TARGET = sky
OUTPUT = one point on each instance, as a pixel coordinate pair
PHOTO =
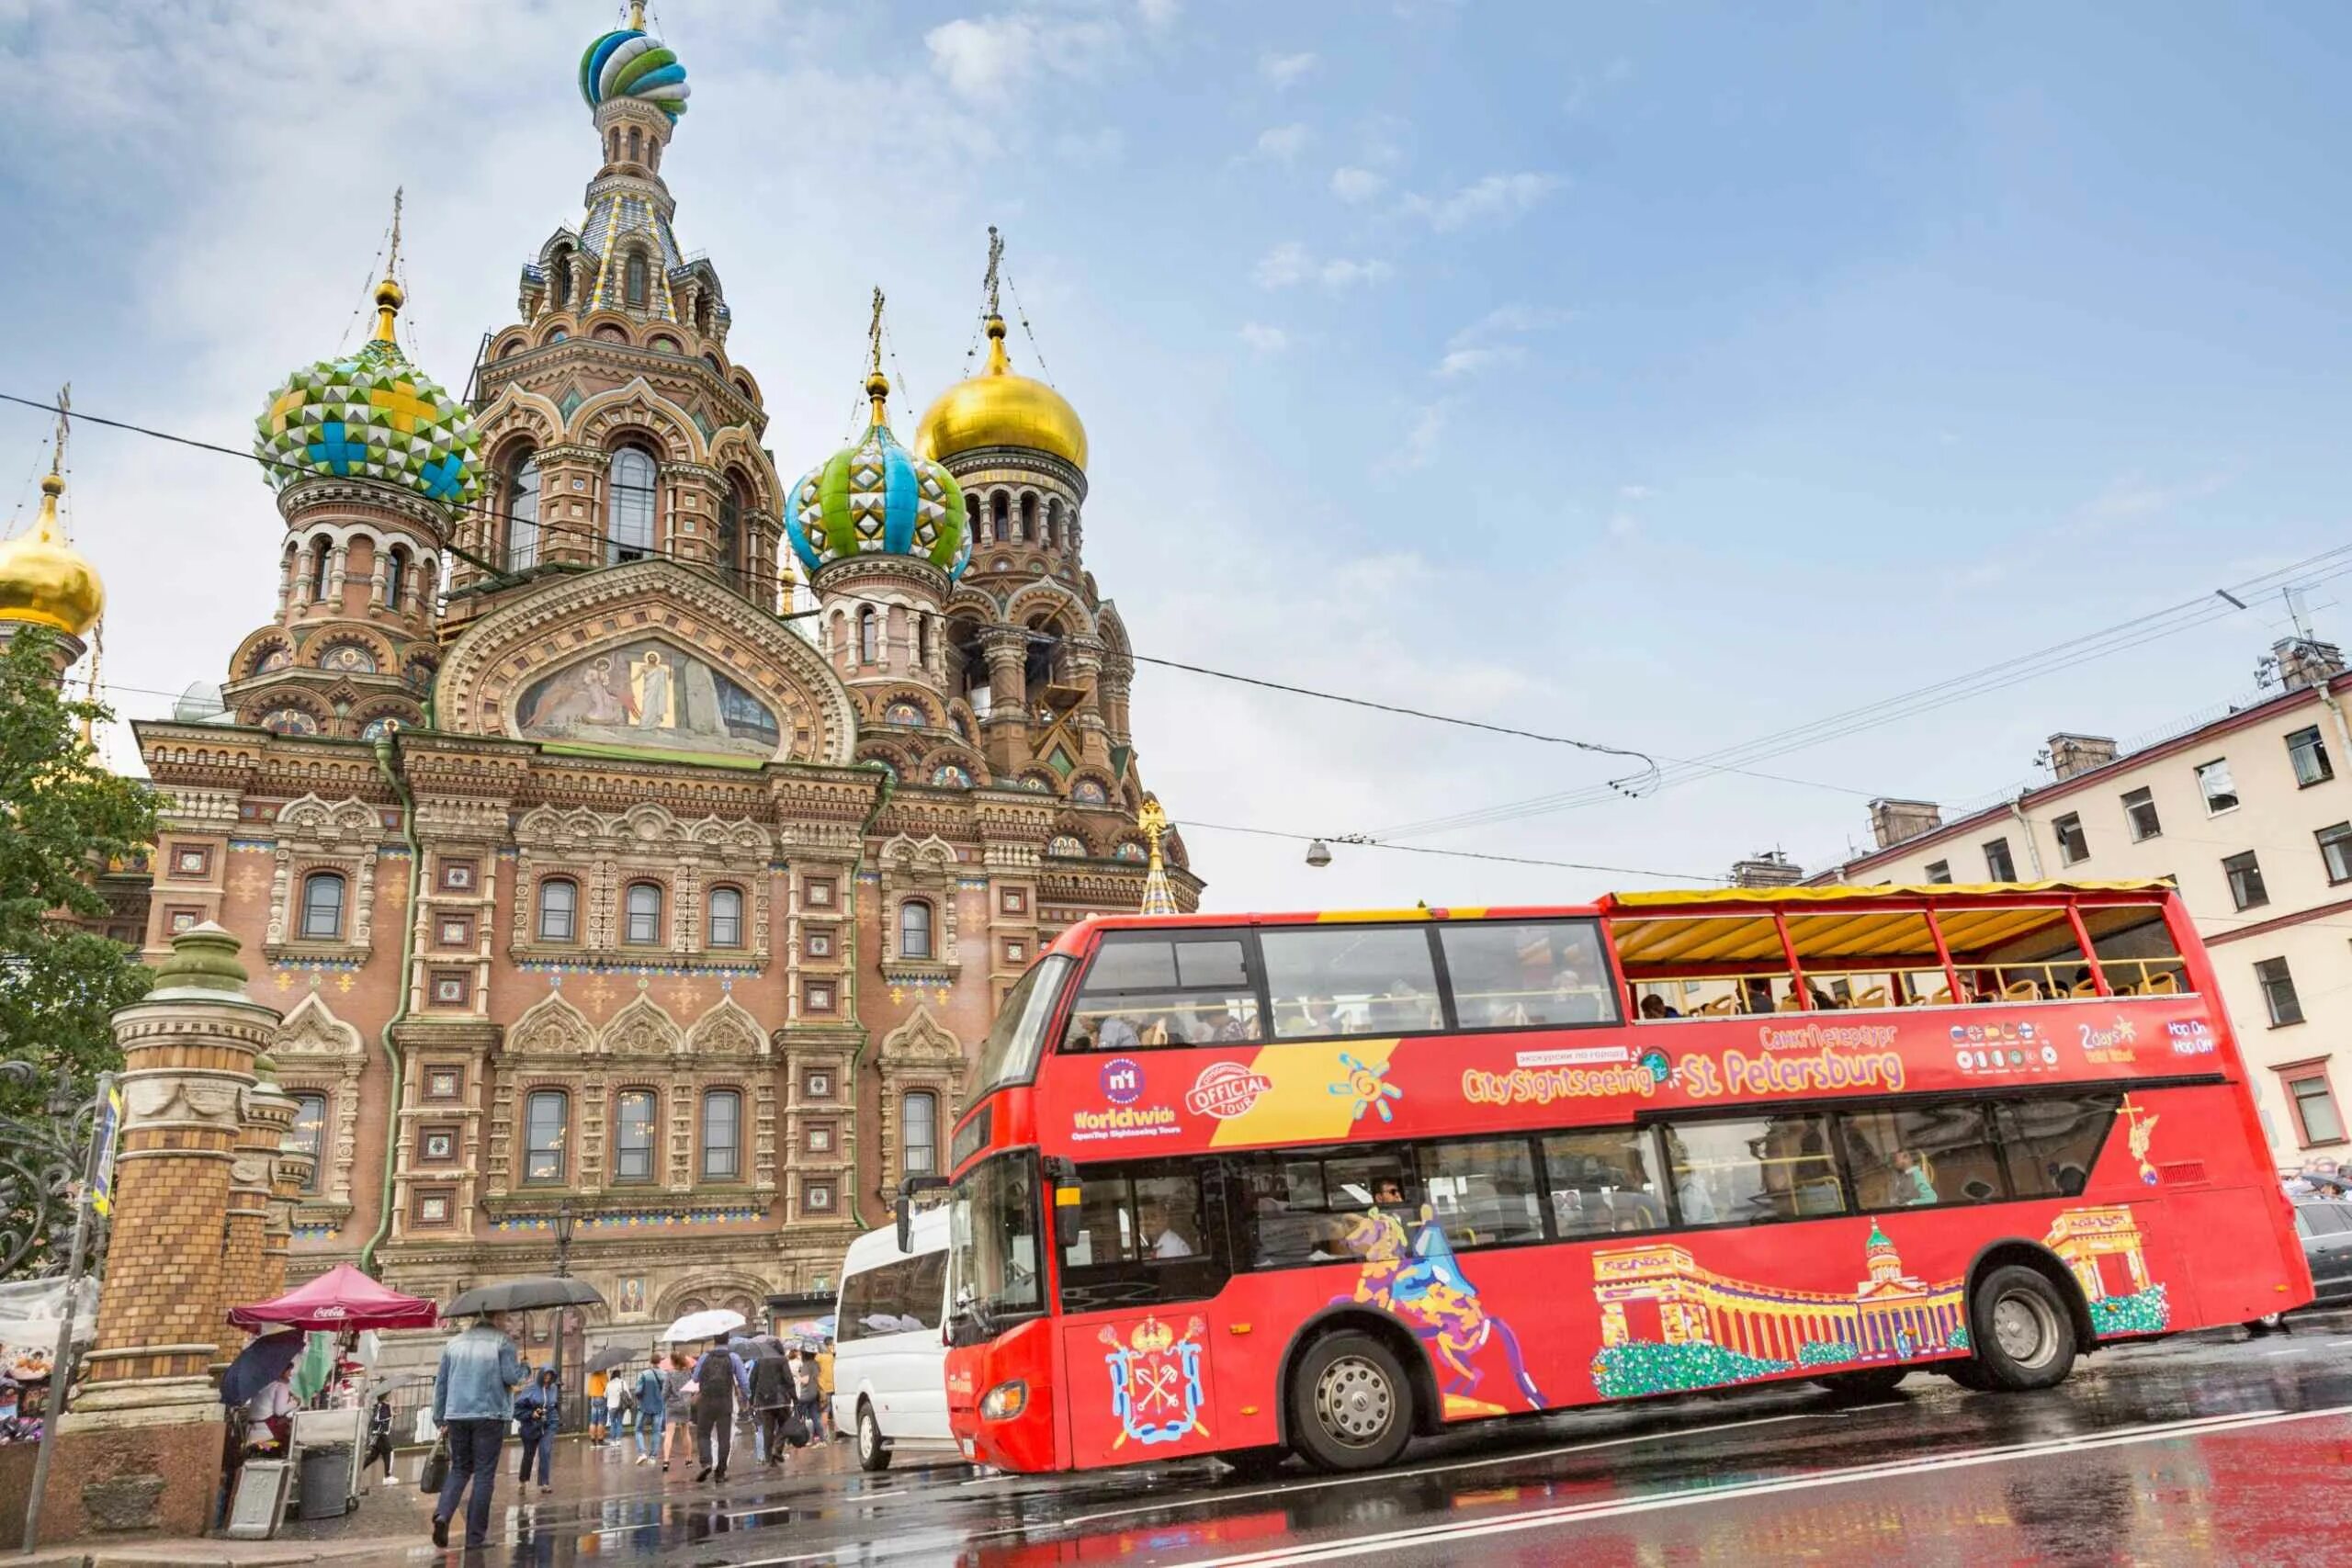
(1659, 374)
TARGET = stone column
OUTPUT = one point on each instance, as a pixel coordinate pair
(1006, 730)
(139, 1449)
(260, 1220)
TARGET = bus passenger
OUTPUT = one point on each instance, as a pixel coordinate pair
(1116, 1033)
(1912, 1183)
(1654, 1008)
(1153, 1222)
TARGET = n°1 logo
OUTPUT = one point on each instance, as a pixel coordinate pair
(1122, 1081)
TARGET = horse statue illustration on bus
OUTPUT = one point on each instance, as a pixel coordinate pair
(1418, 1283)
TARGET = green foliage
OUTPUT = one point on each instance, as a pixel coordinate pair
(63, 818)
(1623, 1371)
(1827, 1353)
(2143, 1311)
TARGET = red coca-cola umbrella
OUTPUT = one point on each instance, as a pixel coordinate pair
(341, 1298)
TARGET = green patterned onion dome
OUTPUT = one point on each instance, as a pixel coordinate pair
(373, 415)
(631, 63)
(874, 497)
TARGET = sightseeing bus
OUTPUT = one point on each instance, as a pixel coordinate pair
(1262, 1185)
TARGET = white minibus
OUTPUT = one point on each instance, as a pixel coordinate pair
(889, 1361)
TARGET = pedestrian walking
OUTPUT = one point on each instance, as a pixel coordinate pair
(825, 1390)
(650, 1391)
(717, 1384)
(379, 1436)
(620, 1396)
(804, 1390)
(677, 1372)
(599, 1408)
(538, 1410)
(772, 1402)
(473, 1389)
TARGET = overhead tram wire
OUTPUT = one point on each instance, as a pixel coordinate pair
(1364, 843)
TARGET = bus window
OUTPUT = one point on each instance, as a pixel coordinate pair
(2051, 1144)
(1508, 975)
(1604, 1180)
(2018, 956)
(1873, 959)
(1148, 988)
(1017, 1038)
(1917, 1157)
(1350, 979)
(1126, 1218)
(1483, 1193)
(1748, 1169)
(1691, 965)
(2136, 950)
(1324, 1210)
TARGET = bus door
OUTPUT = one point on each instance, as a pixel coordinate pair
(1143, 1259)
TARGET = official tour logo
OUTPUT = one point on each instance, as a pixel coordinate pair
(1226, 1089)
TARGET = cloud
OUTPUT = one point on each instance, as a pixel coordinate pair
(1470, 361)
(1420, 447)
(1585, 89)
(1495, 196)
(1291, 262)
(1636, 493)
(1281, 70)
(1263, 338)
(1283, 143)
(2131, 495)
(1357, 184)
(1624, 526)
(1158, 16)
(986, 58)
(1508, 320)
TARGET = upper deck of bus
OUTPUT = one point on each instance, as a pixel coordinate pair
(1633, 1002)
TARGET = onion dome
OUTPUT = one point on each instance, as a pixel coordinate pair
(630, 63)
(372, 416)
(44, 581)
(997, 408)
(874, 497)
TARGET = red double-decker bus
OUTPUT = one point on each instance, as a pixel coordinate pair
(1313, 1184)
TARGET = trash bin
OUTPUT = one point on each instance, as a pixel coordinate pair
(326, 1481)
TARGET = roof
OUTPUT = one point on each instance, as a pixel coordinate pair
(1846, 893)
(1827, 924)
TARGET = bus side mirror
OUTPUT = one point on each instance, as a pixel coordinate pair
(905, 1208)
(1066, 1196)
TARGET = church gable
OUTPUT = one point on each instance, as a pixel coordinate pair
(648, 657)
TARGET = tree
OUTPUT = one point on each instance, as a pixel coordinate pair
(63, 818)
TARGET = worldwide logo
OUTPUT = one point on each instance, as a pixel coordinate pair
(1226, 1089)
(1122, 1081)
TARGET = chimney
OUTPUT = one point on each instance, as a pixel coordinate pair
(1893, 821)
(1769, 868)
(2071, 754)
(2306, 661)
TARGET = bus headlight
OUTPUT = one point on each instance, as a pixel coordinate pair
(1005, 1400)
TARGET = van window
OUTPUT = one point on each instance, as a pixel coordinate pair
(900, 1297)
(1151, 989)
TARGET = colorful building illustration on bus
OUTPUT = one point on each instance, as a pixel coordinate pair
(1667, 1324)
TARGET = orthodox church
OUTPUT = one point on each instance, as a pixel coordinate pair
(636, 844)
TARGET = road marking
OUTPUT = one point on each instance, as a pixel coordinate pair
(2289, 1350)
(2338, 1343)
(1574, 1513)
(1384, 1476)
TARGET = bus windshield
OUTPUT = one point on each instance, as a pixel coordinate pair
(992, 1248)
(1010, 1053)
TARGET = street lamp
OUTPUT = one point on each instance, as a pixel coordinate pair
(563, 1224)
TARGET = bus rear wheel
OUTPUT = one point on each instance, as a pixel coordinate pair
(1350, 1404)
(873, 1453)
(2022, 1329)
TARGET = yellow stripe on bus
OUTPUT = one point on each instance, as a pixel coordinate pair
(1310, 1095)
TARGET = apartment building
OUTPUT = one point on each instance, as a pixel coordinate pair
(2250, 814)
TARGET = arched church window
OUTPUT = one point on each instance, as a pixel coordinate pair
(321, 553)
(322, 906)
(629, 531)
(652, 152)
(644, 907)
(1054, 522)
(395, 578)
(922, 639)
(610, 332)
(1028, 529)
(636, 144)
(726, 916)
(869, 637)
(637, 286)
(1000, 518)
(523, 513)
(914, 928)
(561, 281)
(733, 501)
(558, 909)
(613, 145)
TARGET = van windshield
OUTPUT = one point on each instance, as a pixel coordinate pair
(1010, 1053)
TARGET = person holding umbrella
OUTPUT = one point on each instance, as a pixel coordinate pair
(473, 1391)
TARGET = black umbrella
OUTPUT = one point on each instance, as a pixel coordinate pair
(611, 1356)
(525, 1295)
(263, 1362)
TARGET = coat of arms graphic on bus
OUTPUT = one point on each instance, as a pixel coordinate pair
(1156, 1382)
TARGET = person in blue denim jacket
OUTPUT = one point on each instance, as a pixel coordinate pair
(473, 1391)
(538, 1410)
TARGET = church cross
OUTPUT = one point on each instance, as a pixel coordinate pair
(873, 336)
(996, 256)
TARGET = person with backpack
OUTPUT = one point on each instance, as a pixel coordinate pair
(771, 1398)
(651, 1394)
(718, 1381)
(805, 1399)
(620, 1396)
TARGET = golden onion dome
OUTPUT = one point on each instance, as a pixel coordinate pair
(997, 408)
(43, 579)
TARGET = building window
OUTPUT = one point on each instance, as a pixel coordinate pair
(2140, 815)
(396, 576)
(919, 1124)
(2335, 851)
(733, 504)
(633, 1119)
(1937, 870)
(558, 910)
(322, 906)
(2317, 1120)
(817, 997)
(2072, 844)
(637, 280)
(1998, 866)
(726, 918)
(547, 1114)
(722, 1135)
(2213, 782)
(1000, 518)
(817, 942)
(310, 1136)
(869, 637)
(523, 514)
(630, 528)
(2245, 881)
(2309, 753)
(321, 553)
(2278, 992)
(914, 928)
(644, 914)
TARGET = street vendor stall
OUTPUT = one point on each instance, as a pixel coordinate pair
(307, 1337)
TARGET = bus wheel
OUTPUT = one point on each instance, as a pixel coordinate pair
(2023, 1332)
(1872, 1383)
(1255, 1464)
(1351, 1407)
(873, 1453)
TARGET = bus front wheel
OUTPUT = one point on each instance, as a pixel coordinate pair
(1352, 1406)
(2023, 1329)
(873, 1453)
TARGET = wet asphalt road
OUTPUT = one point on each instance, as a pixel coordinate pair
(2203, 1448)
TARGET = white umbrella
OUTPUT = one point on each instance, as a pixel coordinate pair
(707, 1325)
